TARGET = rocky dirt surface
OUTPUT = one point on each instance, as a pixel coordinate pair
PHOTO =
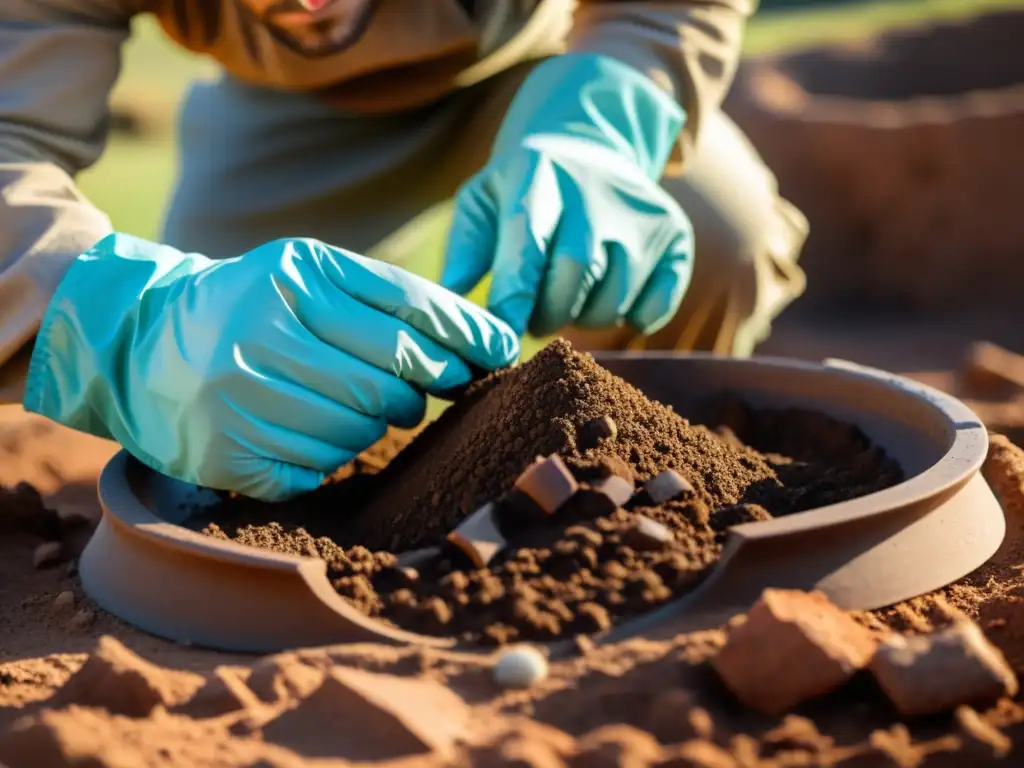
(794, 682)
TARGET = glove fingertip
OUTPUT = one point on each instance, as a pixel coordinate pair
(412, 414)
(648, 322)
(514, 312)
(470, 244)
(499, 340)
(285, 481)
(506, 349)
(454, 377)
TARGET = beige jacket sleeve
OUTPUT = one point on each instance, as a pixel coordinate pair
(689, 47)
(59, 60)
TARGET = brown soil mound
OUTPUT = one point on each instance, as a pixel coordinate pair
(587, 566)
(475, 452)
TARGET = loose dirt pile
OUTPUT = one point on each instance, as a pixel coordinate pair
(137, 701)
(592, 562)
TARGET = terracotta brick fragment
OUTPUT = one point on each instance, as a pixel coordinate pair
(601, 498)
(617, 489)
(792, 646)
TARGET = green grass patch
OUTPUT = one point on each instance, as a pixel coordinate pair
(794, 28)
(131, 183)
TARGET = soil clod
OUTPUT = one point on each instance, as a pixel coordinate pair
(63, 602)
(118, 681)
(981, 738)
(593, 432)
(363, 716)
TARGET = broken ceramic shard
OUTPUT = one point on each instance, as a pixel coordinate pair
(602, 497)
(548, 482)
(617, 489)
(666, 486)
(417, 558)
(479, 537)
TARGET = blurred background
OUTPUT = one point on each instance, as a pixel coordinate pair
(132, 180)
(897, 126)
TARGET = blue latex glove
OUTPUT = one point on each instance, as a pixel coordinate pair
(568, 214)
(257, 374)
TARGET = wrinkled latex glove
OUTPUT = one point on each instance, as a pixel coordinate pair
(568, 214)
(258, 374)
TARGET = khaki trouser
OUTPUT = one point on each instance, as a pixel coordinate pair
(259, 164)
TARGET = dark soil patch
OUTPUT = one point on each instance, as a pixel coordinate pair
(22, 511)
(931, 60)
(586, 566)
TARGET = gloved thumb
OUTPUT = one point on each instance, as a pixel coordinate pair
(470, 249)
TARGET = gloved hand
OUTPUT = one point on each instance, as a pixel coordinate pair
(257, 374)
(568, 214)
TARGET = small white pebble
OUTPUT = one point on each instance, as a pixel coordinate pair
(520, 667)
